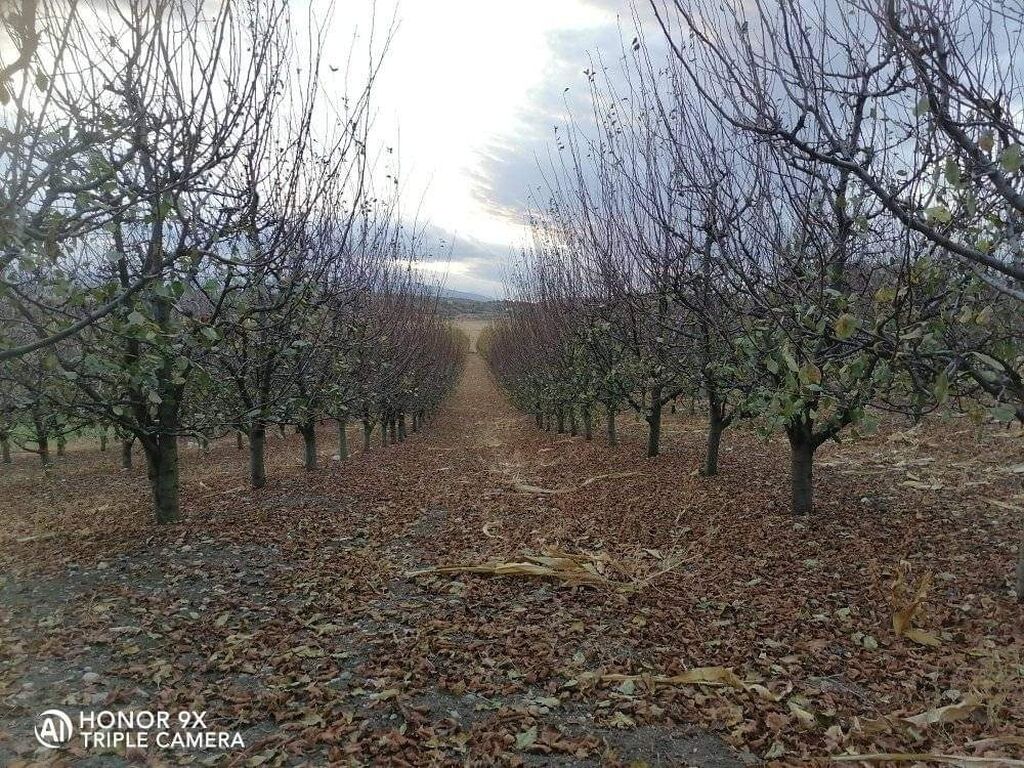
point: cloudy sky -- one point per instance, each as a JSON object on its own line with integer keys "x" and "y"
{"x": 470, "y": 94}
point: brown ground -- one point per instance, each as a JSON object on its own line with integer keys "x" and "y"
{"x": 287, "y": 614}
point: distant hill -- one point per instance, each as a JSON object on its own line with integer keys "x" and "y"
{"x": 454, "y": 303}
{"x": 451, "y": 293}
{"x": 455, "y": 306}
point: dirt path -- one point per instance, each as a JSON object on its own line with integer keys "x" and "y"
{"x": 288, "y": 615}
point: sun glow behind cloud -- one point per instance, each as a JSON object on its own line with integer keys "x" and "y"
{"x": 461, "y": 77}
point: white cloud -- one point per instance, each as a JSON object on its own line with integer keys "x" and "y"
{"x": 470, "y": 92}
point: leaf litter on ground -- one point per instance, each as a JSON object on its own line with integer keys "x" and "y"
{"x": 284, "y": 612}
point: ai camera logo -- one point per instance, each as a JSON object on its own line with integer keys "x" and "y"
{"x": 53, "y": 729}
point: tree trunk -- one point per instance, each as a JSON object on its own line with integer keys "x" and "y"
{"x": 415, "y": 423}
{"x": 654, "y": 423}
{"x": 44, "y": 447}
{"x": 801, "y": 472}
{"x": 613, "y": 438}
{"x": 560, "y": 422}
{"x": 5, "y": 449}
{"x": 61, "y": 444}
{"x": 162, "y": 463}
{"x": 126, "y": 453}
{"x": 103, "y": 441}
{"x": 716, "y": 425}
{"x": 343, "y": 438}
{"x": 384, "y": 433}
{"x": 588, "y": 424}
{"x": 714, "y": 441}
{"x": 257, "y": 463}
{"x": 401, "y": 427}
{"x": 1020, "y": 571}
{"x": 238, "y": 439}
{"x": 367, "y": 431}
{"x": 161, "y": 442}
{"x": 393, "y": 430}
{"x": 539, "y": 418}
{"x": 573, "y": 431}
{"x": 308, "y": 432}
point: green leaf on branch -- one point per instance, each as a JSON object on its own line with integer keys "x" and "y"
{"x": 885, "y": 295}
{"x": 810, "y": 374}
{"x": 1011, "y": 159}
{"x": 952, "y": 172}
{"x": 790, "y": 362}
{"x": 846, "y": 326}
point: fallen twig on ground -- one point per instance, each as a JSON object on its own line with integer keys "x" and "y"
{"x": 527, "y": 488}
{"x": 572, "y": 568}
{"x": 921, "y": 757}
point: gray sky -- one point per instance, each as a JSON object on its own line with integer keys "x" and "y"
{"x": 470, "y": 94}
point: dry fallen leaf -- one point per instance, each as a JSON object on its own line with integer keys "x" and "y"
{"x": 947, "y": 714}
{"x": 907, "y": 600}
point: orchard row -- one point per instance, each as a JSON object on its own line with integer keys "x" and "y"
{"x": 806, "y": 215}
{"x": 192, "y": 241}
